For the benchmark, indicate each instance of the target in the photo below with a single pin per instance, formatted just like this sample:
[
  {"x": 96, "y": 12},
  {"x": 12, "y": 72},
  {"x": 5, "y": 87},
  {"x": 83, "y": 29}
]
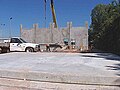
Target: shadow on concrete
[
  {"x": 115, "y": 67},
  {"x": 107, "y": 56},
  {"x": 102, "y": 54}
]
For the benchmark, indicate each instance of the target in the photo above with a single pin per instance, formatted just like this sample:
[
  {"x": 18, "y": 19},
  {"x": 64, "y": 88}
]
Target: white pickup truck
[{"x": 17, "y": 44}]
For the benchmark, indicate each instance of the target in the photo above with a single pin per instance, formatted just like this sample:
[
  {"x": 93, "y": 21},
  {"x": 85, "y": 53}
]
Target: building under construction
[
  {"x": 75, "y": 37},
  {"x": 72, "y": 36}
]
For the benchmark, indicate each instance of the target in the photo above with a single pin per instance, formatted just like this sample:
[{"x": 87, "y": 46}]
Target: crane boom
[{"x": 53, "y": 13}]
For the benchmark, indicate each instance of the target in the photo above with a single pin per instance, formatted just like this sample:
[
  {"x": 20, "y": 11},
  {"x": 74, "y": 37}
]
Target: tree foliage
[{"x": 105, "y": 27}]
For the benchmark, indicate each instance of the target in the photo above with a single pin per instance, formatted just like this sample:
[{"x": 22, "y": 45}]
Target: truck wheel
[
  {"x": 29, "y": 50},
  {"x": 8, "y": 50},
  {"x": 0, "y": 50}
]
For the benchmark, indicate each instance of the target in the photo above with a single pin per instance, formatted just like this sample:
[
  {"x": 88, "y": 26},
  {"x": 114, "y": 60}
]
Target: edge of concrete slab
[
  {"x": 60, "y": 78},
  {"x": 13, "y": 84}
]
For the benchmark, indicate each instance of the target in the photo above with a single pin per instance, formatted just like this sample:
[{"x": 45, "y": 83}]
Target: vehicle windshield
[{"x": 23, "y": 40}]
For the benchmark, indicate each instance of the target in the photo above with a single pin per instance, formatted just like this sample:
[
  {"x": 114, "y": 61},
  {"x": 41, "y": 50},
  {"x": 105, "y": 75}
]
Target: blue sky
[{"x": 28, "y": 12}]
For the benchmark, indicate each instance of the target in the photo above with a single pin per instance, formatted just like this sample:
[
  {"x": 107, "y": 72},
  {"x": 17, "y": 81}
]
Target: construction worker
[{"x": 47, "y": 47}]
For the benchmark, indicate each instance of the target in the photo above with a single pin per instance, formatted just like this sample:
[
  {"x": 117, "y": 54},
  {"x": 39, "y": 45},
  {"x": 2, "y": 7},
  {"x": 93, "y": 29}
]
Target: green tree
[{"x": 105, "y": 17}]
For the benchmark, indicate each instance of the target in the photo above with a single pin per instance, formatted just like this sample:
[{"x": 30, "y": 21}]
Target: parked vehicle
[
  {"x": 17, "y": 44},
  {"x": 4, "y": 46}
]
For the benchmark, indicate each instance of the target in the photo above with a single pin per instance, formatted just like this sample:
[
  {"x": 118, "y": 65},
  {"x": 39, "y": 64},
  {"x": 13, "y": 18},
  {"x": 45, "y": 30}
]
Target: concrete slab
[{"x": 70, "y": 68}]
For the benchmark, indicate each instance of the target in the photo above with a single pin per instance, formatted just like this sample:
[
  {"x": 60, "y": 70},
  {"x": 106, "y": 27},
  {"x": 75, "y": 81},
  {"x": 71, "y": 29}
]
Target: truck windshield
[{"x": 23, "y": 40}]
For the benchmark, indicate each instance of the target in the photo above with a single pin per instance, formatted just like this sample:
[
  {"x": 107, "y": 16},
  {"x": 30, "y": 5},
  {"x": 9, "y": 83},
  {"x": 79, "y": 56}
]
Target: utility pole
[
  {"x": 1, "y": 29},
  {"x": 20, "y": 30},
  {"x": 10, "y": 31},
  {"x": 45, "y": 11}
]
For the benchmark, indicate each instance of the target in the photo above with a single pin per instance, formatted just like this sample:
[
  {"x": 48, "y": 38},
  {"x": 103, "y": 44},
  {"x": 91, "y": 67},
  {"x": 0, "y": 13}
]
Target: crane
[{"x": 53, "y": 12}]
